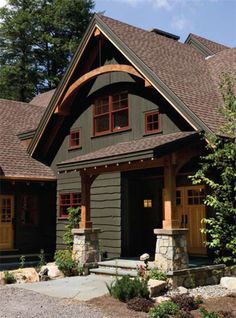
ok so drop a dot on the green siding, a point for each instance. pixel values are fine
(106, 212)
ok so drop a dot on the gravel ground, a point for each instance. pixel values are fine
(210, 291)
(21, 303)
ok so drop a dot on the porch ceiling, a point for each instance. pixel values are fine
(148, 147)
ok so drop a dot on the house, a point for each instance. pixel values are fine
(122, 134)
(27, 187)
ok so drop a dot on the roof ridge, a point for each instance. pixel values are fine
(201, 37)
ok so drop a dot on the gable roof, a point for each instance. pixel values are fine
(43, 99)
(175, 69)
(210, 47)
(14, 160)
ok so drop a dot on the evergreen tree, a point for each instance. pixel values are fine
(218, 172)
(37, 40)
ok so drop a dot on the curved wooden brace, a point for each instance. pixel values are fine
(99, 71)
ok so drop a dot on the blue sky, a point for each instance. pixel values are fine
(213, 19)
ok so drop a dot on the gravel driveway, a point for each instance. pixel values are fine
(21, 303)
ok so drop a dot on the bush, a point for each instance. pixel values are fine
(209, 314)
(65, 263)
(127, 288)
(185, 302)
(9, 278)
(155, 273)
(164, 310)
(140, 304)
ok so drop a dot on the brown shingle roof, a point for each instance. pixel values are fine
(132, 146)
(16, 117)
(211, 45)
(43, 99)
(176, 64)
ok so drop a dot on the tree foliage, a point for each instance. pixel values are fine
(37, 41)
(218, 173)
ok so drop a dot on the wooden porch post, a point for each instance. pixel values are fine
(169, 217)
(86, 182)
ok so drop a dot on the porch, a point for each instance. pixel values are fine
(167, 153)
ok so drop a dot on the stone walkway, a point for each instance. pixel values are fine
(79, 287)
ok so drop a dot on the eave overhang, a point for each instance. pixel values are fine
(141, 67)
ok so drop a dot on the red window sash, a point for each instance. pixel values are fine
(67, 204)
(71, 140)
(148, 131)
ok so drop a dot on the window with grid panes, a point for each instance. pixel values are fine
(152, 122)
(111, 113)
(75, 138)
(69, 200)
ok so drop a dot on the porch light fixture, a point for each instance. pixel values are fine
(147, 203)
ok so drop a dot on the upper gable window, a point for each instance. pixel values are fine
(152, 122)
(75, 138)
(111, 113)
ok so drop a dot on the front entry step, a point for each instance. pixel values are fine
(118, 267)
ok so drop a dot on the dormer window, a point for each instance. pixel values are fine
(75, 138)
(111, 113)
(152, 122)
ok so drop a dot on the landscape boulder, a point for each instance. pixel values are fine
(156, 287)
(2, 280)
(228, 282)
(161, 299)
(52, 271)
(25, 275)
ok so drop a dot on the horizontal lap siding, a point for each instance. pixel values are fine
(106, 212)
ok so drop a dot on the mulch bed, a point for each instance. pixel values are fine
(116, 309)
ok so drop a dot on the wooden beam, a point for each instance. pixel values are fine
(147, 83)
(96, 72)
(86, 182)
(169, 220)
(97, 32)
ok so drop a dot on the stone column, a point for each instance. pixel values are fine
(171, 249)
(86, 247)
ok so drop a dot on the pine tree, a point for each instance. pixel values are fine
(37, 41)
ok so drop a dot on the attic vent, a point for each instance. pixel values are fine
(166, 34)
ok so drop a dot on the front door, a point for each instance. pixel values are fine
(191, 210)
(6, 226)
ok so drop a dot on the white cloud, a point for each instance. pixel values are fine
(179, 23)
(162, 4)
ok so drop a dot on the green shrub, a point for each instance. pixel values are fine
(208, 314)
(155, 273)
(127, 288)
(65, 263)
(140, 304)
(73, 222)
(9, 278)
(164, 310)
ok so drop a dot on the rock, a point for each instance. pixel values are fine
(2, 280)
(53, 271)
(161, 299)
(182, 290)
(228, 282)
(144, 257)
(26, 275)
(156, 287)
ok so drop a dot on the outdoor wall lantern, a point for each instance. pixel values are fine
(147, 203)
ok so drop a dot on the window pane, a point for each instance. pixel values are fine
(152, 121)
(120, 119)
(75, 139)
(102, 123)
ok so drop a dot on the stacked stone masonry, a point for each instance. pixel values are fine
(171, 249)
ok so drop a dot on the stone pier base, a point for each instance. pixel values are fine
(86, 247)
(171, 249)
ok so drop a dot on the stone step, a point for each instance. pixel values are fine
(113, 272)
(124, 264)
